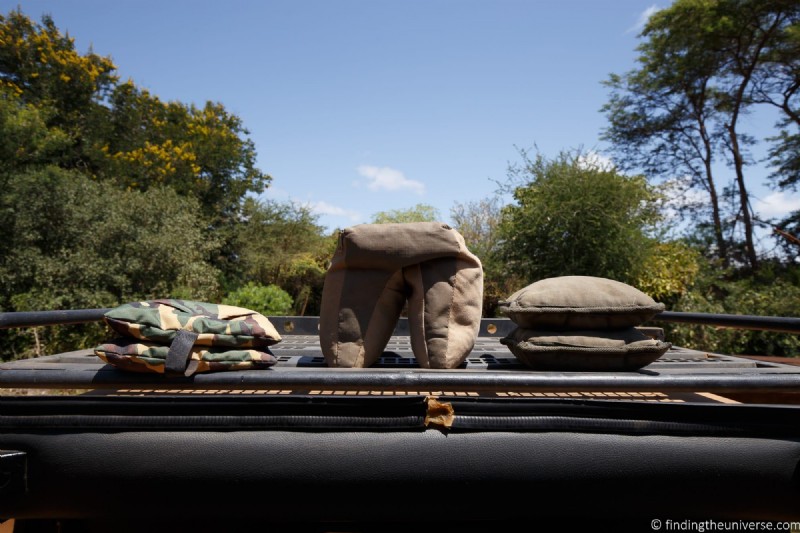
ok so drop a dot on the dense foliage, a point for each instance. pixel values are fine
(109, 194)
(418, 213)
(771, 293)
(572, 217)
(269, 300)
(702, 66)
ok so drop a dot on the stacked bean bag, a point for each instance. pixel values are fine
(581, 323)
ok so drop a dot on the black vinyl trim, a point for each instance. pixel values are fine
(613, 416)
(207, 422)
(176, 405)
(615, 426)
(180, 413)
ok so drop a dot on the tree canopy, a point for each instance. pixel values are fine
(479, 222)
(572, 217)
(114, 131)
(703, 65)
(418, 213)
(107, 193)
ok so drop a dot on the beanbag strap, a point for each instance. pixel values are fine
(179, 351)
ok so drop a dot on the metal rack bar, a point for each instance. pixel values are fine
(760, 323)
(77, 316)
(49, 375)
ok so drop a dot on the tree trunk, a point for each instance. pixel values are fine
(744, 197)
(747, 55)
(719, 236)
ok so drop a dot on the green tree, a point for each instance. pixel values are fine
(571, 217)
(282, 244)
(766, 294)
(744, 36)
(778, 85)
(25, 142)
(204, 153)
(74, 242)
(121, 133)
(661, 121)
(25, 138)
(41, 66)
(201, 152)
(703, 64)
(671, 271)
(61, 109)
(418, 213)
(479, 223)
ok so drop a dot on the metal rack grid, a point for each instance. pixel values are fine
(490, 368)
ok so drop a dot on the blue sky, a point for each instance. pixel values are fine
(360, 106)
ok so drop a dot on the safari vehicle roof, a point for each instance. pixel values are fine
(303, 447)
(491, 369)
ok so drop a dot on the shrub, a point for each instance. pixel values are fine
(264, 299)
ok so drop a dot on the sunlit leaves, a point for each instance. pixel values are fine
(417, 213)
(41, 65)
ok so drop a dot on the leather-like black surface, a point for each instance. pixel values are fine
(412, 476)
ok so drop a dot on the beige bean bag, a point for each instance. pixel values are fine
(375, 269)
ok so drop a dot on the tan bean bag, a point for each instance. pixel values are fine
(584, 351)
(581, 323)
(375, 269)
(579, 302)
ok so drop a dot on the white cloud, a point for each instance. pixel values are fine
(593, 160)
(680, 195)
(777, 204)
(643, 18)
(276, 193)
(389, 179)
(324, 208)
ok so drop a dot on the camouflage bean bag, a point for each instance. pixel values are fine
(138, 356)
(184, 337)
